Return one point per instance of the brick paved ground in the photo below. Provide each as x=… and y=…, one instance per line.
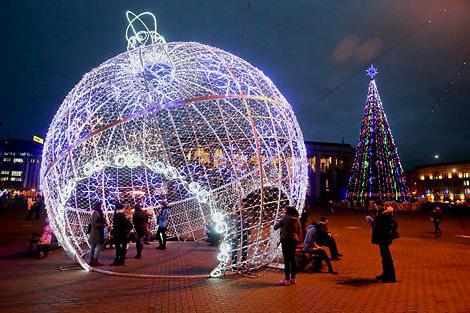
x=433, y=274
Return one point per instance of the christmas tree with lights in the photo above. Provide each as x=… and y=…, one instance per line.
x=376, y=171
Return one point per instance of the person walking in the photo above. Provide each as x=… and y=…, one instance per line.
x=311, y=247
x=384, y=230
x=291, y=232
x=96, y=239
x=121, y=228
x=436, y=217
x=140, y=220
x=162, y=222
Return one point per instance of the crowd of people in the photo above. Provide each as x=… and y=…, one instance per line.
x=303, y=247
x=405, y=206
x=129, y=223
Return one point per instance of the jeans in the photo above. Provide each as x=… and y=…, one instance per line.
x=95, y=251
x=161, y=236
x=121, y=246
x=139, y=245
x=387, y=263
x=330, y=242
x=288, y=252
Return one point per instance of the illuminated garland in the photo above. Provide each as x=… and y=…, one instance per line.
x=182, y=122
x=377, y=172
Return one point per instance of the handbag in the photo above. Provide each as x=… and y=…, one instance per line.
x=132, y=236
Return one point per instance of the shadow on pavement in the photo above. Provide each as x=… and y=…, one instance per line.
x=358, y=282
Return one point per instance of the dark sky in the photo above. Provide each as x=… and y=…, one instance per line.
x=307, y=48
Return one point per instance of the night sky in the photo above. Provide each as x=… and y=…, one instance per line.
x=310, y=49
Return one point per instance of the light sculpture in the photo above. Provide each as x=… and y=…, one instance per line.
x=182, y=122
x=376, y=172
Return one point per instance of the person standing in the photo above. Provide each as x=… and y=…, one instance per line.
x=436, y=217
x=384, y=230
x=140, y=220
x=162, y=222
x=121, y=228
x=291, y=232
x=96, y=239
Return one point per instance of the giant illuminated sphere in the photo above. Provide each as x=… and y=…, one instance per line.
x=182, y=122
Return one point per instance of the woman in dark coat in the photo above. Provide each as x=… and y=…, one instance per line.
x=140, y=220
x=121, y=227
x=96, y=239
x=291, y=233
x=384, y=230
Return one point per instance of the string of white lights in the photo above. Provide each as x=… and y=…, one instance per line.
x=180, y=122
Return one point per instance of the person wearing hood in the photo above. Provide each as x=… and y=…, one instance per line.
x=291, y=232
x=384, y=230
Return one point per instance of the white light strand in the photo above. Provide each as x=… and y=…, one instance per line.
x=180, y=121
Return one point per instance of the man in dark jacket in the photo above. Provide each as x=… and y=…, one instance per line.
x=436, y=217
x=311, y=247
x=325, y=238
x=140, y=220
x=384, y=230
x=121, y=228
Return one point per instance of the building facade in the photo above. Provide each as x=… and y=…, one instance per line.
x=20, y=163
x=441, y=182
x=329, y=170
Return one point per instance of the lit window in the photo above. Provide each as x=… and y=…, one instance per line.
x=6, y=159
x=15, y=179
x=3, y=178
x=421, y=177
x=465, y=175
x=16, y=173
x=325, y=164
x=313, y=161
x=5, y=173
x=18, y=160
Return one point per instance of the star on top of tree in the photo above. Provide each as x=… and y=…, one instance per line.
x=372, y=71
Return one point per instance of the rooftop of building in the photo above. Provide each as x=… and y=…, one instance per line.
x=20, y=145
x=324, y=143
x=456, y=163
